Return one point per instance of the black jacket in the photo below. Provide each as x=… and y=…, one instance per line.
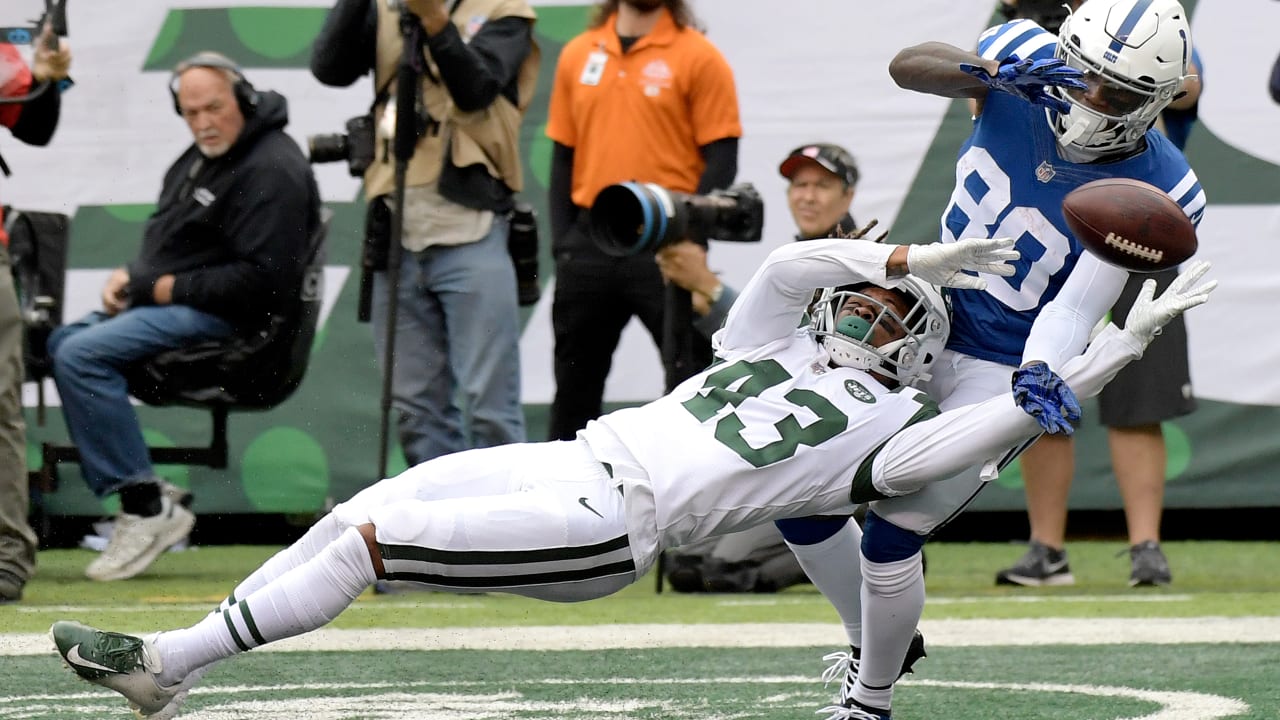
x=233, y=229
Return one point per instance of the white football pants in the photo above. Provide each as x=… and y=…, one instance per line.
x=543, y=520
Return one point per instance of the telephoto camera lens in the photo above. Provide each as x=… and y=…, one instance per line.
x=628, y=218
x=327, y=148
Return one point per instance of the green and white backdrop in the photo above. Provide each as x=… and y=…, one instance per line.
x=806, y=70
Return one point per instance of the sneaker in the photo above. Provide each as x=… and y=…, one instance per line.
x=176, y=493
x=10, y=587
x=137, y=541
x=1041, y=565
x=1149, y=566
x=846, y=665
x=123, y=663
x=855, y=711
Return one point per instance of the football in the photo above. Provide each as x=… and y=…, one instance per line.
x=1130, y=224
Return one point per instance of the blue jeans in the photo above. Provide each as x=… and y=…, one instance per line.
x=456, y=379
x=89, y=358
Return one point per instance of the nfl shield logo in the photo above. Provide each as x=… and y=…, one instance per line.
x=1045, y=172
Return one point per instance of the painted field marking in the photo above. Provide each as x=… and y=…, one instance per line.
x=1173, y=705
x=941, y=633
x=975, y=600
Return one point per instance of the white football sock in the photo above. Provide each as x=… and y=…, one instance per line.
x=893, y=600
x=834, y=567
x=299, y=601
x=317, y=538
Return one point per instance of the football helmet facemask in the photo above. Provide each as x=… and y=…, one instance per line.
x=905, y=360
x=1135, y=55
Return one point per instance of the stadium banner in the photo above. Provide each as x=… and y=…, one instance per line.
x=818, y=73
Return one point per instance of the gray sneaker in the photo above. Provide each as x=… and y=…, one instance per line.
x=137, y=541
x=1149, y=565
x=124, y=663
x=10, y=587
x=1041, y=565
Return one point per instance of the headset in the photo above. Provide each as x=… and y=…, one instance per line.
x=246, y=95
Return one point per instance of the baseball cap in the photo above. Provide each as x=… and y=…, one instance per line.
x=833, y=158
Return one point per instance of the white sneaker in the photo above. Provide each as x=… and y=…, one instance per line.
x=137, y=541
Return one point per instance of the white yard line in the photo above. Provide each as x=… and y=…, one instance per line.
x=423, y=701
x=940, y=633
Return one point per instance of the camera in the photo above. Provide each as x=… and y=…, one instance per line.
x=522, y=245
x=629, y=218
x=356, y=146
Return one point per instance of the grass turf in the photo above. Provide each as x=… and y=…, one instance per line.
x=1232, y=579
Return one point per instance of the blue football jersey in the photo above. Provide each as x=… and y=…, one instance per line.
x=1010, y=182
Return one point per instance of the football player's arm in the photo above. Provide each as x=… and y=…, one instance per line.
x=771, y=304
x=973, y=435
x=1062, y=328
x=934, y=68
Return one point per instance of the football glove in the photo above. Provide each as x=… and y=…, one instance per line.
x=1046, y=397
x=1028, y=78
x=1150, y=313
x=946, y=264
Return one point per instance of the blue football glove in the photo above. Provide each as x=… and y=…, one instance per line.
x=1044, y=396
x=1028, y=78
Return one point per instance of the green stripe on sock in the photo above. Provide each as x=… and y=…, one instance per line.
x=234, y=635
x=248, y=621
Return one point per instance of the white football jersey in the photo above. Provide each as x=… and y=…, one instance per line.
x=766, y=433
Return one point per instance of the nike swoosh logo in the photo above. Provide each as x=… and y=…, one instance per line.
x=583, y=502
x=73, y=657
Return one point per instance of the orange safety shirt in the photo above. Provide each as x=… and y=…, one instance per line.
x=644, y=115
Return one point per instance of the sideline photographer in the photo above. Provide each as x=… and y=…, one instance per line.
x=32, y=122
x=455, y=376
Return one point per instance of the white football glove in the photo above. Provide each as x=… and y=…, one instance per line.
x=945, y=263
x=1150, y=313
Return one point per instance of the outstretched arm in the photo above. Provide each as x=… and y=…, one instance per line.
x=969, y=436
x=946, y=70
x=771, y=304
x=934, y=68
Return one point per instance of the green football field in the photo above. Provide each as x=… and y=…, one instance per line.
x=1206, y=647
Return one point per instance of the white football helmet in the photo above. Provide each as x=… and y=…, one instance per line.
x=1138, y=52
x=908, y=359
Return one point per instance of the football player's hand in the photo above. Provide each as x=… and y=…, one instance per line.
x=1046, y=397
x=1028, y=79
x=946, y=264
x=1150, y=313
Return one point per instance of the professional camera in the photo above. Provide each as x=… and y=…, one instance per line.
x=355, y=147
x=630, y=217
x=522, y=245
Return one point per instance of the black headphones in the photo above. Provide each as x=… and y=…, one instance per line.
x=246, y=95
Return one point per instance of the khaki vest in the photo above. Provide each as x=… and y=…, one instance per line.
x=490, y=137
